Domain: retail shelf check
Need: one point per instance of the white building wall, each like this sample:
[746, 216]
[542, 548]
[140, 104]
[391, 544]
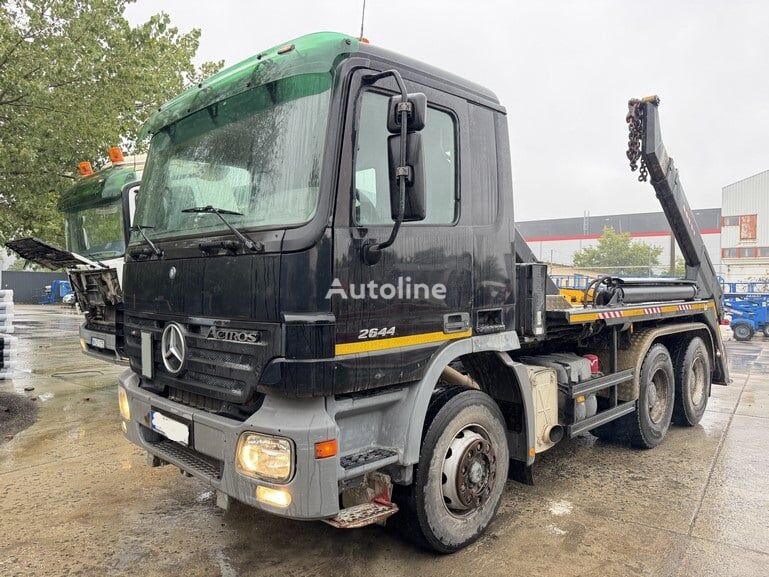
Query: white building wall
[749, 196]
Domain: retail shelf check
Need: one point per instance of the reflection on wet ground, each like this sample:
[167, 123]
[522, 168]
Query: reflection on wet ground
[77, 499]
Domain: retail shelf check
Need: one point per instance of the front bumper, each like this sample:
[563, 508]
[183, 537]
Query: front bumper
[211, 456]
[109, 353]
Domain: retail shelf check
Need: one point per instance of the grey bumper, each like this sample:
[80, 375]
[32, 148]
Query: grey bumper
[107, 353]
[313, 487]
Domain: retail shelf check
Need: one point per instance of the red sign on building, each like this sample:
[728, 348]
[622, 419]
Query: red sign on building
[748, 226]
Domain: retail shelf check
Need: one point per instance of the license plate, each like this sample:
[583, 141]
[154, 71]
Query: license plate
[170, 428]
[98, 343]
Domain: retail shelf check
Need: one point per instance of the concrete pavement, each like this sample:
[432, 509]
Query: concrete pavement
[77, 499]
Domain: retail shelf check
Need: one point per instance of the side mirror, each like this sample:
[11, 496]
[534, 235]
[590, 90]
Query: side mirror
[414, 201]
[416, 115]
[129, 193]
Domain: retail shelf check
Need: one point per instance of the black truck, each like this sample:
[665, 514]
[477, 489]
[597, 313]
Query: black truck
[329, 316]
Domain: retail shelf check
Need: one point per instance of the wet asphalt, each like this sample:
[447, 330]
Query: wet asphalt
[77, 499]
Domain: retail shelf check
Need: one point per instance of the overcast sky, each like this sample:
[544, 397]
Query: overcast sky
[564, 71]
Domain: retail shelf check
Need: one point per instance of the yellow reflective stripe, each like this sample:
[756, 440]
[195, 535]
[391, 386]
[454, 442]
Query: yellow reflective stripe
[641, 311]
[583, 317]
[395, 342]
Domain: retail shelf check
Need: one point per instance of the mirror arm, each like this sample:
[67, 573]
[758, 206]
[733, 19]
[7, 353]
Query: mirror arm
[371, 251]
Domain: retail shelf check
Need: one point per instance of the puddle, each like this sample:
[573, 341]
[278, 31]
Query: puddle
[560, 508]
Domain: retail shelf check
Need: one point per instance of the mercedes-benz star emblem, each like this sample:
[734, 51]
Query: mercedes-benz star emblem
[173, 348]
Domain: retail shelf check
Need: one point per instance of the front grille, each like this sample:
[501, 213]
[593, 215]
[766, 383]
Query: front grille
[223, 372]
[196, 401]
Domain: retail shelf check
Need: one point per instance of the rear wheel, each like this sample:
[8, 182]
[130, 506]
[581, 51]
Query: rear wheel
[742, 332]
[460, 476]
[646, 427]
[766, 330]
[692, 372]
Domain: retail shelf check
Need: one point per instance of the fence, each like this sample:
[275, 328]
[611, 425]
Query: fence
[29, 286]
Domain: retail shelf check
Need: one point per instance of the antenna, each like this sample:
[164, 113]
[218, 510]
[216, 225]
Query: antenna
[362, 20]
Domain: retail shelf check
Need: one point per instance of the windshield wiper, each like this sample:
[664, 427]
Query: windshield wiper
[140, 229]
[220, 212]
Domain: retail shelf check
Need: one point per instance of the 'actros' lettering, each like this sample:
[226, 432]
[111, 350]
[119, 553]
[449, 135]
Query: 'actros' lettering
[234, 336]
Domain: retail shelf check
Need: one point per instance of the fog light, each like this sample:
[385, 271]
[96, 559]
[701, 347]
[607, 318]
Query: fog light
[125, 408]
[275, 497]
[266, 457]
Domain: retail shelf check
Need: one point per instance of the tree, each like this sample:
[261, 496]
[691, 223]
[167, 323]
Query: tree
[617, 254]
[680, 268]
[76, 78]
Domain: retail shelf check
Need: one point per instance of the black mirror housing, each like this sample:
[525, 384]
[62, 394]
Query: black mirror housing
[415, 208]
[416, 116]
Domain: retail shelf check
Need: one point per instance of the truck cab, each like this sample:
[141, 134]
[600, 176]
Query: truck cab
[97, 213]
[327, 316]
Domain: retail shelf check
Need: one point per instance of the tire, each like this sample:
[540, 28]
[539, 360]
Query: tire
[645, 428]
[693, 376]
[766, 330]
[742, 332]
[434, 512]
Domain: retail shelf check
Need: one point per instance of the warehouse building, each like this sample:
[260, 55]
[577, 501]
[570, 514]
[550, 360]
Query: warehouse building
[736, 235]
[745, 229]
[557, 240]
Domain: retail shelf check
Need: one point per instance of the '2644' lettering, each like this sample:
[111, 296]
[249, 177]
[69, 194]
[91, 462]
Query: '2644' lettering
[376, 333]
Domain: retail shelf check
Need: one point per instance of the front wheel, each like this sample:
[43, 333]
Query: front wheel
[460, 476]
[742, 332]
[766, 330]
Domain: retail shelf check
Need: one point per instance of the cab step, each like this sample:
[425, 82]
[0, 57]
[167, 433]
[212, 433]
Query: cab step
[367, 460]
[362, 515]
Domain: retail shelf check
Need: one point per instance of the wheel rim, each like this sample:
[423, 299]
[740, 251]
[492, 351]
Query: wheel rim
[697, 376]
[469, 471]
[742, 331]
[657, 396]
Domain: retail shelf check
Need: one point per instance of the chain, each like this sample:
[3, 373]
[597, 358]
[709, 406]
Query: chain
[634, 119]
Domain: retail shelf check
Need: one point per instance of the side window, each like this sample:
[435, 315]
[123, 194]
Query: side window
[371, 195]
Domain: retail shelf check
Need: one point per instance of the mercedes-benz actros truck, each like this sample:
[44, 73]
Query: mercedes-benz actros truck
[329, 317]
[97, 213]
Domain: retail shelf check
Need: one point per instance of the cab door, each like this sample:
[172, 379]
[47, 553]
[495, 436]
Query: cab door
[393, 315]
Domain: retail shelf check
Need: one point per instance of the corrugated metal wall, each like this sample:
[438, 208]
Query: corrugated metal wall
[749, 196]
[745, 228]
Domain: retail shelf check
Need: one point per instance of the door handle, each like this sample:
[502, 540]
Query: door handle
[456, 322]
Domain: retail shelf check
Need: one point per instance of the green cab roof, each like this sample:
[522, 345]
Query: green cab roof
[99, 188]
[313, 53]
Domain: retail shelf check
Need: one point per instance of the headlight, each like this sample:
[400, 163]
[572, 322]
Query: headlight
[266, 457]
[122, 401]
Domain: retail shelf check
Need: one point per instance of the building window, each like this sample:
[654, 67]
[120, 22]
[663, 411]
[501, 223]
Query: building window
[763, 252]
[746, 252]
[748, 226]
[728, 253]
[730, 221]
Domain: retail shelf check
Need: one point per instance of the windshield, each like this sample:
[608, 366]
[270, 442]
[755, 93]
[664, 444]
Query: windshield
[257, 153]
[96, 232]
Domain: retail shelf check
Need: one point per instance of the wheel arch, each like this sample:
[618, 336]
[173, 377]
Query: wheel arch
[671, 335]
[510, 385]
